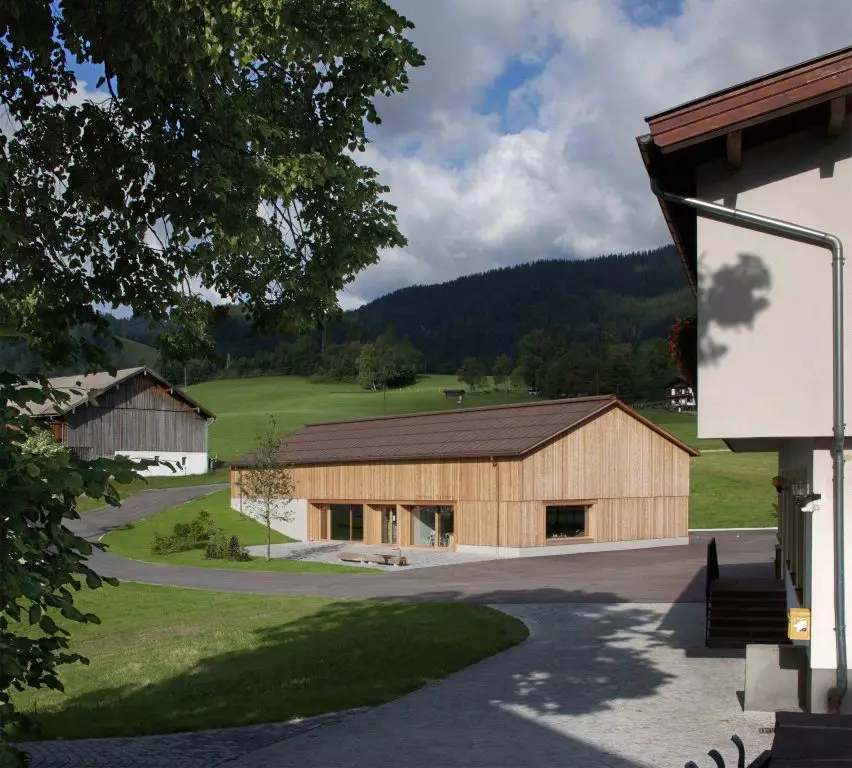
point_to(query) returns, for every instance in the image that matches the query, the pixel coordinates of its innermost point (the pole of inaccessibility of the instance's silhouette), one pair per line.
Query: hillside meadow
(728, 490)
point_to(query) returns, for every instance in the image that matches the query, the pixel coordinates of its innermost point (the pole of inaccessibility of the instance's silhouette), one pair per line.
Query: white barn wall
(184, 462)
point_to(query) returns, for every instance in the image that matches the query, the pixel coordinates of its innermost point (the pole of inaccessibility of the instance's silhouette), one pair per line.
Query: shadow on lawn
(350, 654)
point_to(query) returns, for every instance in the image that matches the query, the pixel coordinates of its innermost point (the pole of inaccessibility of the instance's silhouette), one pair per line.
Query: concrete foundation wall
(571, 549)
(291, 518)
(184, 462)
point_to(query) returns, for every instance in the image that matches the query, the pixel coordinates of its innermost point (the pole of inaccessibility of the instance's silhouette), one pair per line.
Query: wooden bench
(380, 558)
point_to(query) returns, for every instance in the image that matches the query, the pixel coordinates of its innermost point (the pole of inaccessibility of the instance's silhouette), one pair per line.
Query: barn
(133, 412)
(551, 477)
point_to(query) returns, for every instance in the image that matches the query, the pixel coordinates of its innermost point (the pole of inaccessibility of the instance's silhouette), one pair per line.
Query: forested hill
(634, 296)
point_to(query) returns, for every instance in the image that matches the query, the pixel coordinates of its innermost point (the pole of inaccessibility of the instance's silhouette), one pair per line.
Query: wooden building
(133, 413)
(531, 479)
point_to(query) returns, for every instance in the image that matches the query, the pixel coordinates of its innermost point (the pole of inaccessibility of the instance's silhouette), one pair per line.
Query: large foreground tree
(214, 153)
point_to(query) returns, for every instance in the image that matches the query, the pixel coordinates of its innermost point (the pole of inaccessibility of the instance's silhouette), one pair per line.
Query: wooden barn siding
(138, 415)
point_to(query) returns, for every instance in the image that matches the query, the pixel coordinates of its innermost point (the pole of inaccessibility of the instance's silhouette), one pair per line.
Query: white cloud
(568, 181)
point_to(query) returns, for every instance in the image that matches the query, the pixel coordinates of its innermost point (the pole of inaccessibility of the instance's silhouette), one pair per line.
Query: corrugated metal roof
(506, 430)
(81, 388)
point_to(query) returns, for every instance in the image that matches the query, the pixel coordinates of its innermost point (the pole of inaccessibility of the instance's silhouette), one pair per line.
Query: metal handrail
(711, 574)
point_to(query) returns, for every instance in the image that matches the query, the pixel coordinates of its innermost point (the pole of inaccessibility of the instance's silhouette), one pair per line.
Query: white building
(779, 146)
(680, 396)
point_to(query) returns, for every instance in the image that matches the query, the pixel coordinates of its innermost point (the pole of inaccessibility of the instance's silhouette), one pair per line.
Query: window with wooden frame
(566, 521)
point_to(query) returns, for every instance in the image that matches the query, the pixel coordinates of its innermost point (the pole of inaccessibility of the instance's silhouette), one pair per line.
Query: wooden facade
(140, 413)
(632, 479)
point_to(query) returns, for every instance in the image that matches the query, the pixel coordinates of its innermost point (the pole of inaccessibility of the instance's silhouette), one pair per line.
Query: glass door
(346, 522)
(389, 533)
(432, 526)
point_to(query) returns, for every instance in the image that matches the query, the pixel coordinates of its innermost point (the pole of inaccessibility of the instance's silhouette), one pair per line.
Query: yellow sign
(799, 626)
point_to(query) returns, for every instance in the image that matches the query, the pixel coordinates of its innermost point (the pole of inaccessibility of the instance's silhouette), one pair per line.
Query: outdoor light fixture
(802, 492)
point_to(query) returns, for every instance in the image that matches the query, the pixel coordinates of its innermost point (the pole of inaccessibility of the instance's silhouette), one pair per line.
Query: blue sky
(516, 141)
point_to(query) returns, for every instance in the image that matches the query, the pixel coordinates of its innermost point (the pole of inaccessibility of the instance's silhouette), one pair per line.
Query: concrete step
(775, 622)
(736, 642)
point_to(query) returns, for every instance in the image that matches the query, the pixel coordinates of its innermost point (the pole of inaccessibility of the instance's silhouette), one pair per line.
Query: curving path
(615, 677)
(663, 575)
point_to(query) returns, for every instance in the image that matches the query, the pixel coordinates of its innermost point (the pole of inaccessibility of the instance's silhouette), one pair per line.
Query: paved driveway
(615, 672)
(663, 575)
(614, 685)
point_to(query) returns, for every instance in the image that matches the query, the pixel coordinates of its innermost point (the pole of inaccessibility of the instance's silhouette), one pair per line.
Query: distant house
(543, 478)
(680, 396)
(134, 413)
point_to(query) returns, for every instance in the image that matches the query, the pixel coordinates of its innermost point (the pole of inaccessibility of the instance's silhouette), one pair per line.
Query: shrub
(222, 547)
(217, 547)
(186, 536)
(202, 528)
(182, 531)
(236, 552)
(164, 545)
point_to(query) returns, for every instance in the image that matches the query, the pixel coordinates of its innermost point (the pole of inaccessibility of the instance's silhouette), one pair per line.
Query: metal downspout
(791, 231)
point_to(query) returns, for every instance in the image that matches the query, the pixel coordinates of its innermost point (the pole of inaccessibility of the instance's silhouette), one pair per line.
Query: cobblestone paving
(204, 749)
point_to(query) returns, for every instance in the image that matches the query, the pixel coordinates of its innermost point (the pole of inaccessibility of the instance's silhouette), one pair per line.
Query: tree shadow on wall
(730, 298)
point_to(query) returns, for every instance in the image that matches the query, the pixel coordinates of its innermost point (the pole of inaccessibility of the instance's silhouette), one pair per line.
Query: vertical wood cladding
(137, 415)
(635, 481)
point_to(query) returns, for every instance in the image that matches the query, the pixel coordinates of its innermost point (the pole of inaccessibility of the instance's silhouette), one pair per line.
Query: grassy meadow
(242, 406)
(165, 660)
(728, 490)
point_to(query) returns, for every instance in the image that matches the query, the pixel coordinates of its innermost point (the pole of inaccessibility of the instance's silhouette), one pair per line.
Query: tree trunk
(268, 539)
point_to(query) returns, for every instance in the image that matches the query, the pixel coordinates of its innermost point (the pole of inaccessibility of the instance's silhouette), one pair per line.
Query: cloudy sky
(516, 141)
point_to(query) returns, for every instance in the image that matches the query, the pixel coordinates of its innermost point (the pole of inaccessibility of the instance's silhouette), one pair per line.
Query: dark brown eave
(764, 98)
(725, 125)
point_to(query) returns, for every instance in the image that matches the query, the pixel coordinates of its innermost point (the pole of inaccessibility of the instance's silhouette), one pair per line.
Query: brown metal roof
(504, 430)
(761, 109)
(83, 388)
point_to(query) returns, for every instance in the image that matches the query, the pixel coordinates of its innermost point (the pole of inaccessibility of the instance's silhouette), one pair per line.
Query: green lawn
(242, 406)
(166, 660)
(134, 540)
(733, 490)
(223, 475)
(684, 427)
(728, 490)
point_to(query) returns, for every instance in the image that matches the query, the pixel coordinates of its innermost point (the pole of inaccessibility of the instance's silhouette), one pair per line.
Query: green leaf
(35, 614)
(48, 625)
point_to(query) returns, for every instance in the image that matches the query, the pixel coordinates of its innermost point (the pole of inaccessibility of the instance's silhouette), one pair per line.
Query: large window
(566, 522)
(432, 526)
(346, 522)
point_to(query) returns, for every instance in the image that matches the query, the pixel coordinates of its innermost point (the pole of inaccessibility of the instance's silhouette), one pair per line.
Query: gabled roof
(731, 121)
(83, 388)
(494, 431)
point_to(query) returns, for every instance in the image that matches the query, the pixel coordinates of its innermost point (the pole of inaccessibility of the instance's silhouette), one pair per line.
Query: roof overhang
(726, 124)
(89, 395)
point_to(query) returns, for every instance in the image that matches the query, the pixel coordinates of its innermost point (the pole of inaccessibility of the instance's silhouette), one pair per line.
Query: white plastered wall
(183, 462)
(764, 304)
(290, 518)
